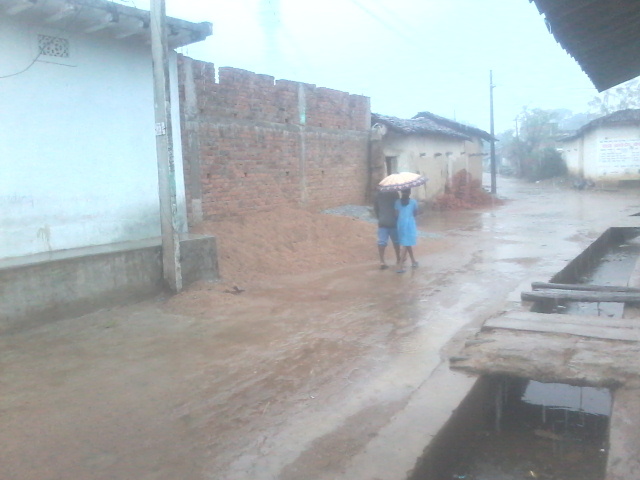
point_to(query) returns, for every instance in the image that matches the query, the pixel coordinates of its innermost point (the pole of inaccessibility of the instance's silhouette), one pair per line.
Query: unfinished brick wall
(251, 143)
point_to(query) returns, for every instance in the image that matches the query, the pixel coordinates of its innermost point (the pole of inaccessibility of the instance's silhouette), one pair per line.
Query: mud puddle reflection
(545, 431)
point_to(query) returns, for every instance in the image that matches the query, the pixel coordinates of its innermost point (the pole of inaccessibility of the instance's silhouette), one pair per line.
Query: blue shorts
(384, 233)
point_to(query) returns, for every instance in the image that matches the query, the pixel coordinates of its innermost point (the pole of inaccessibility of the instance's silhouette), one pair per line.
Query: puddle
(590, 400)
(514, 429)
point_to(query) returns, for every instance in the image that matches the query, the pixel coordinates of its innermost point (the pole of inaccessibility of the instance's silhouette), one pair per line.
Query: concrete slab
(402, 444)
(552, 358)
(586, 320)
(606, 333)
(623, 462)
(584, 286)
(580, 296)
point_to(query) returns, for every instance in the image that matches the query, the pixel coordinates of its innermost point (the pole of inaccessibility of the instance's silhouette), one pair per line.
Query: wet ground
(336, 374)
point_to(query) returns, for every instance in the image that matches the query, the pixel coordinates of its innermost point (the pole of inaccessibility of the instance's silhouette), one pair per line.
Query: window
(53, 46)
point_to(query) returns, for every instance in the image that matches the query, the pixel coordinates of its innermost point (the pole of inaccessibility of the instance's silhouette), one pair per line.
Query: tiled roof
(621, 117)
(460, 127)
(416, 126)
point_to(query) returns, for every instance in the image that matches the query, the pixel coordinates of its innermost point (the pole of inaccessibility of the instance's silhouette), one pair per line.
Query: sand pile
(288, 240)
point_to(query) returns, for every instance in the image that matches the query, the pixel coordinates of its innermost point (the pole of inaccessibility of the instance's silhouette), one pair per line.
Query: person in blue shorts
(384, 207)
(406, 211)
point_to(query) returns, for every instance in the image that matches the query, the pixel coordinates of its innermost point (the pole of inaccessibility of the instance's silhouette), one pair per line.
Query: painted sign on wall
(618, 156)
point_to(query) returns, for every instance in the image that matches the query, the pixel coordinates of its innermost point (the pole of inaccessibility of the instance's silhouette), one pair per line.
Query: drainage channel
(512, 428)
(515, 429)
(544, 431)
(608, 261)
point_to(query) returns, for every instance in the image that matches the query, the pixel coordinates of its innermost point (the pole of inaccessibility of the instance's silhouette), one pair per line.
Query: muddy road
(330, 374)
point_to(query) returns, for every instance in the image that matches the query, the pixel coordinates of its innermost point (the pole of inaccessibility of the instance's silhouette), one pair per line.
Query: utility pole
(493, 139)
(171, 269)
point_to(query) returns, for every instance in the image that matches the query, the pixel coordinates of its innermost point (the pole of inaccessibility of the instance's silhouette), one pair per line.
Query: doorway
(391, 164)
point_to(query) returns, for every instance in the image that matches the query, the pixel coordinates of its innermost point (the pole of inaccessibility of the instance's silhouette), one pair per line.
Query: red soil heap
(464, 192)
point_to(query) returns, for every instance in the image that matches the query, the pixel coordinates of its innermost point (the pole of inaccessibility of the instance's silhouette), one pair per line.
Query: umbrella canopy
(401, 181)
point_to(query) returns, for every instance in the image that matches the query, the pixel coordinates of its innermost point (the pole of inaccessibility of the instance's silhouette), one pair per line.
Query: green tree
(549, 163)
(625, 95)
(532, 148)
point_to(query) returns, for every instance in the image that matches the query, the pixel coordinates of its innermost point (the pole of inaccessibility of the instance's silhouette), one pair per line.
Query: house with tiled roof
(606, 150)
(432, 146)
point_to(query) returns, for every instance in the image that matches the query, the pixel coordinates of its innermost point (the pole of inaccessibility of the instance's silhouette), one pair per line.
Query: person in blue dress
(406, 211)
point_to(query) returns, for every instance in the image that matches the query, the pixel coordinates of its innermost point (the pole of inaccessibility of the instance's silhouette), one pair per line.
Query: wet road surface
(330, 375)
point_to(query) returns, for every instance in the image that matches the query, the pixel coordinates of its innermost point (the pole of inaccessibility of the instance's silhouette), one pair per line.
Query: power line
(383, 23)
(391, 13)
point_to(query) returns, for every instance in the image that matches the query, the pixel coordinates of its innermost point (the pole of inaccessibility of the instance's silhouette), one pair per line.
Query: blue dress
(407, 231)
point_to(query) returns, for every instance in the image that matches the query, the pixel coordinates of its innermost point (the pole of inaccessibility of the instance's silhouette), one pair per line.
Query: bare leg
(414, 264)
(403, 258)
(381, 249)
(396, 247)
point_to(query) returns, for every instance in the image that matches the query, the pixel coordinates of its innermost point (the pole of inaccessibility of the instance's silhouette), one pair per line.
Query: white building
(77, 128)
(606, 150)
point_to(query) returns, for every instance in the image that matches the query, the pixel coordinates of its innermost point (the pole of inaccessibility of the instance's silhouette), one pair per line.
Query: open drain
(575, 338)
(594, 282)
(529, 429)
(542, 430)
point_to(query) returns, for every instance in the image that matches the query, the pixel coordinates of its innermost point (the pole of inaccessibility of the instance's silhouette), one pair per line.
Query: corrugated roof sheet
(621, 117)
(602, 35)
(100, 17)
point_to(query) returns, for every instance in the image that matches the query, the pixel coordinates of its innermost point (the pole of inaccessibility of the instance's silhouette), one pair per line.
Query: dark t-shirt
(384, 207)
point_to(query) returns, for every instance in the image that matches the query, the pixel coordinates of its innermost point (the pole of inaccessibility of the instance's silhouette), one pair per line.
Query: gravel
(360, 212)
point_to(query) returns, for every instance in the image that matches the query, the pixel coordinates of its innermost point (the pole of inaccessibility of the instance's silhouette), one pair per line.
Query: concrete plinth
(51, 286)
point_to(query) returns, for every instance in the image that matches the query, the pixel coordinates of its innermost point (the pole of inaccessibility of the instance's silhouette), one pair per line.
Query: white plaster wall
(419, 153)
(571, 153)
(582, 155)
(599, 171)
(77, 143)
(588, 149)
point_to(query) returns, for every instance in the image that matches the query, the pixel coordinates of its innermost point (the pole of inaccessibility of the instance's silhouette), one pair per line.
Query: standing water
(541, 431)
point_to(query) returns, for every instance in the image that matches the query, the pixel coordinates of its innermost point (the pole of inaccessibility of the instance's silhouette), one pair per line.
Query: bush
(546, 163)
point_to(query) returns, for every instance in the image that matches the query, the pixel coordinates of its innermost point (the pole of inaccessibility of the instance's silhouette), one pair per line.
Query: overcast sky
(406, 55)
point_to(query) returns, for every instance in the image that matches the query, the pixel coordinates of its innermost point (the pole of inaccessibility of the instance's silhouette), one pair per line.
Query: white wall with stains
(606, 154)
(77, 142)
(437, 157)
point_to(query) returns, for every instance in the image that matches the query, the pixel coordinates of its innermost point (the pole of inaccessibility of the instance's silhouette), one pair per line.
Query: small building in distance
(431, 145)
(606, 150)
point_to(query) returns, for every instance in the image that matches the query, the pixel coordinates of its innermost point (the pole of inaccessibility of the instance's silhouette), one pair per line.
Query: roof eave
(602, 38)
(99, 16)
